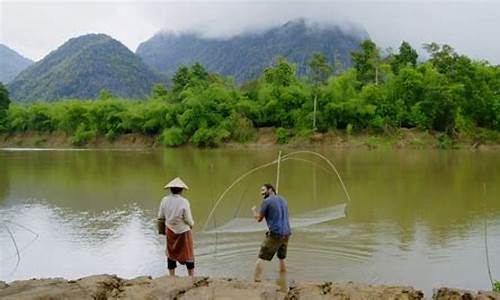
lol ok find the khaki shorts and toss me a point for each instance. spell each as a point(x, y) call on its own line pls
point(272, 244)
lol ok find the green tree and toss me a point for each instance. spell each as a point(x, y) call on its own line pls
point(366, 62)
point(4, 97)
point(449, 92)
point(443, 57)
point(159, 92)
point(283, 100)
point(282, 74)
point(320, 70)
point(437, 106)
point(181, 79)
point(403, 90)
point(105, 94)
point(4, 105)
point(199, 72)
point(172, 137)
point(191, 77)
point(280, 94)
point(407, 57)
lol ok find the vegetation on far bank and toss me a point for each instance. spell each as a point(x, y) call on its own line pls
point(450, 95)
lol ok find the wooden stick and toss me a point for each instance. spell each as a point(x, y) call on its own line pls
point(486, 237)
point(278, 172)
point(15, 245)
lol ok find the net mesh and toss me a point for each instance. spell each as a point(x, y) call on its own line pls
point(242, 225)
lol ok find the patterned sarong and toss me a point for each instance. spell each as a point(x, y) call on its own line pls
point(180, 246)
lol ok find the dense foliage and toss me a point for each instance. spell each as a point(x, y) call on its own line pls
point(4, 106)
point(83, 66)
point(245, 56)
point(449, 93)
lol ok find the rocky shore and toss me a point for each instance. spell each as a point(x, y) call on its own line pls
point(113, 287)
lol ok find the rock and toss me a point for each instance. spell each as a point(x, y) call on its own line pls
point(330, 290)
point(3, 285)
point(230, 289)
point(44, 289)
point(101, 286)
point(457, 294)
point(166, 287)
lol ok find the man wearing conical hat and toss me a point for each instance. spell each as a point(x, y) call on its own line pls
point(176, 212)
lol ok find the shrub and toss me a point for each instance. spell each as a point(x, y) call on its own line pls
point(282, 136)
point(444, 142)
point(349, 129)
point(72, 115)
point(209, 137)
point(40, 119)
point(17, 118)
point(242, 129)
point(111, 135)
point(172, 137)
point(82, 136)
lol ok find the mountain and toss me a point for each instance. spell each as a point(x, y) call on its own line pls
point(81, 68)
point(245, 56)
point(11, 63)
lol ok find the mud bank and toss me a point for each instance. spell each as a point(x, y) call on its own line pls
point(113, 287)
point(263, 138)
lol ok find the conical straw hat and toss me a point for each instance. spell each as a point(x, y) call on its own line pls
point(178, 183)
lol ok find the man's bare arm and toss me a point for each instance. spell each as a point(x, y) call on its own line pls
point(257, 215)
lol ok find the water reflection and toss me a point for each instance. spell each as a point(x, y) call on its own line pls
point(4, 181)
point(416, 217)
point(74, 244)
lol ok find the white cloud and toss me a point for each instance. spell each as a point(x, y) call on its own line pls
point(34, 28)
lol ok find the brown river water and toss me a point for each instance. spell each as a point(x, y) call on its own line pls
point(416, 217)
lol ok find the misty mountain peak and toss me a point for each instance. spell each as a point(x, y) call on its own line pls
point(246, 55)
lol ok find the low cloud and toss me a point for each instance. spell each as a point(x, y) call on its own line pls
point(35, 28)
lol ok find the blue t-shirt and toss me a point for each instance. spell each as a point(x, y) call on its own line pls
point(275, 210)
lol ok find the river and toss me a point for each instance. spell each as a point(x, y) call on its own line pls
point(416, 217)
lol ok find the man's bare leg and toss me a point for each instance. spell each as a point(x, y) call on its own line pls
point(259, 269)
point(171, 272)
point(191, 272)
point(282, 265)
point(282, 282)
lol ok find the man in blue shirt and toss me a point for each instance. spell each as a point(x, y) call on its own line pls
point(274, 209)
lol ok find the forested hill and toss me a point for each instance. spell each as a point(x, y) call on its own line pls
point(81, 68)
point(245, 56)
point(11, 63)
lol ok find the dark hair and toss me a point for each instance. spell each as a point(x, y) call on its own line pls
point(175, 190)
point(269, 186)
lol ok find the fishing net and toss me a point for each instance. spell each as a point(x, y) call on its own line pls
point(309, 181)
point(318, 216)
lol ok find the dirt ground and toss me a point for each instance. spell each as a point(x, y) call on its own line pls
point(113, 287)
point(264, 138)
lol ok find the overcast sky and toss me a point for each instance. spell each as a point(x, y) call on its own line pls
point(34, 28)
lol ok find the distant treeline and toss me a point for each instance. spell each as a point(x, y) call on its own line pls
point(449, 93)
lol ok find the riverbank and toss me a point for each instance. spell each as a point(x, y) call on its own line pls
point(113, 287)
point(267, 138)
